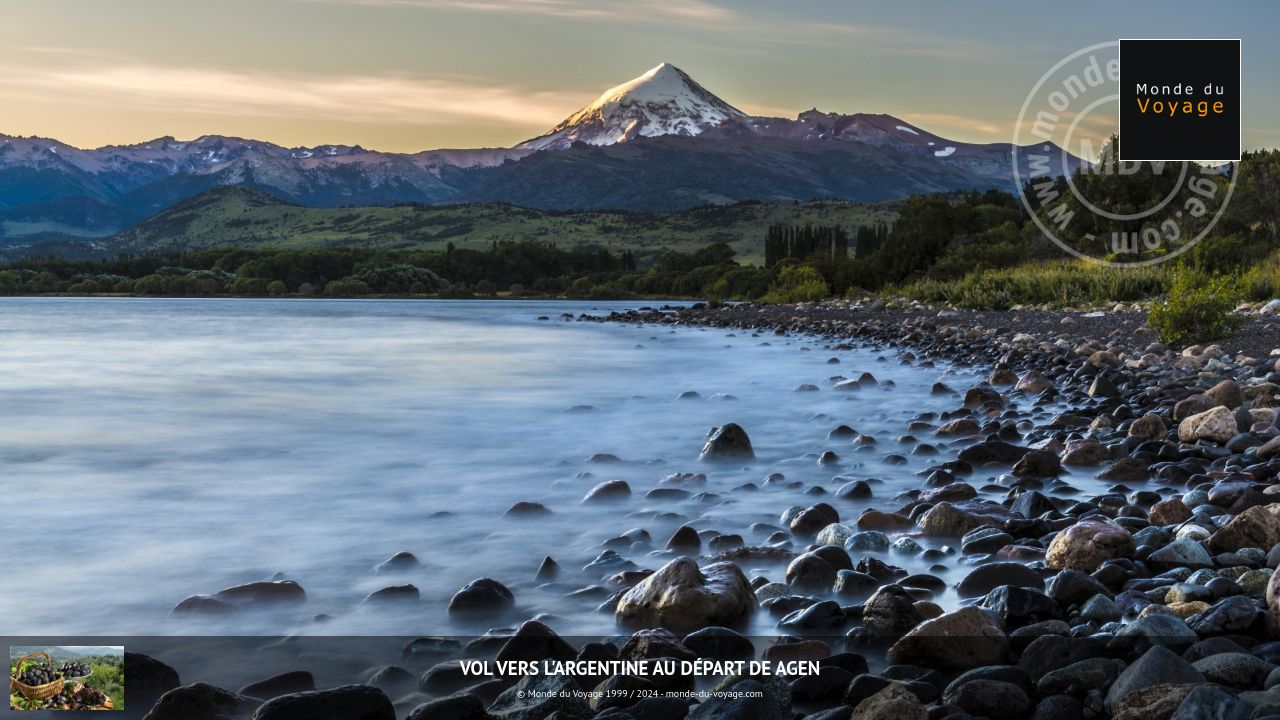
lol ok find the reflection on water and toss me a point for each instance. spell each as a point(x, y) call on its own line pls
point(156, 449)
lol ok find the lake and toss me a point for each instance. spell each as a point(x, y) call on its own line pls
point(154, 449)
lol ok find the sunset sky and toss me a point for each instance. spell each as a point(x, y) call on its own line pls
point(407, 75)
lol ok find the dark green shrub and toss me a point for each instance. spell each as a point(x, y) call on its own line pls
point(1197, 308)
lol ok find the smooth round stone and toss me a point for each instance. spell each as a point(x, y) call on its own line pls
point(906, 546)
point(867, 541)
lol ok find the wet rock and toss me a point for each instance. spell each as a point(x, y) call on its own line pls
point(1085, 545)
point(810, 573)
point(1059, 707)
point(685, 539)
point(890, 612)
point(1235, 669)
point(1207, 702)
point(682, 597)
point(960, 426)
point(1169, 512)
point(879, 520)
point(812, 519)
point(1100, 609)
point(1038, 464)
point(825, 688)
point(867, 541)
point(825, 615)
point(1255, 527)
point(1148, 427)
point(1150, 703)
point(1018, 606)
point(283, 684)
point(400, 562)
point(1072, 587)
point(1047, 653)
point(1226, 393)
point(947, 520)
point(854, 585)
point(534, 641)
point(985, 578)
point(958, 640)
point(992, 452)
point(1228, 615)
point(352, 702)
point(548, 570)
point(527, 509)
point(1217, 425)
point(1181, 553)
point(834, 534)
point(894, 702)
point(197, 702)
point(1080, 677)
point(148, 679)
point(255, 594)
point(484, 596)
point(1085, 452)
point(1157, 666)
point(979, 395)
point(727, 442)
point(1033, 383)
point(458, 707)
point(995, 699)
point(394, 593)
point(539, 696)
point(608, 491)
point(719, 643)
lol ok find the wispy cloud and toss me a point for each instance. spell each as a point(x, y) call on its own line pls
point(935, 122)
point(398, 98)
point(626, 10)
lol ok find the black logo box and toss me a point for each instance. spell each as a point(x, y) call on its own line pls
point(1186, 64)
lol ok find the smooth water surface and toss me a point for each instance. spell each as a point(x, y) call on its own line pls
point(156, 449)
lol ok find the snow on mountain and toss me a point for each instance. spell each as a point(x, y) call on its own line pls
point(663, 101)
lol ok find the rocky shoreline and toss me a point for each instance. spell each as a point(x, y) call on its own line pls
point(1152, 599)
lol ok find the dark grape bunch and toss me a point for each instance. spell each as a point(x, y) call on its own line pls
point(38, 675)
point(84, 698)
point(72, 669)
point(88, 697)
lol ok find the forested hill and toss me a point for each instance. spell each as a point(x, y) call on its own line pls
point(248, 218)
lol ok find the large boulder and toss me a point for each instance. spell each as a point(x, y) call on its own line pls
point(1085, 545)
point(197, 702)
point(684, 598)
point(539, 696)
point(484, 596)
point(353, 702)
point(894, 702)
point(1157, 666)
point(960, 640)
point(727, 442)
point(1216, 425)
point(948, 520)
point(1256, 527)
point(148, 679)
point(249, 595)
point(891, 611)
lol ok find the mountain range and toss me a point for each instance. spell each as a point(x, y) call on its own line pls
point(658, 143)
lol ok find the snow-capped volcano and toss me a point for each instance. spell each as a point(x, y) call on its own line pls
point(663, 101)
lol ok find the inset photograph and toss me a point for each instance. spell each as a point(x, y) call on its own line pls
point(66, 677)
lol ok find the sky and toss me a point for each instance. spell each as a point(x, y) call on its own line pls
point(410, 75)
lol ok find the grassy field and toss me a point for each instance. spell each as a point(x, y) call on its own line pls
point(246, 218)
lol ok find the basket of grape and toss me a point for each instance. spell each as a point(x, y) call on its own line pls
point(36, 682)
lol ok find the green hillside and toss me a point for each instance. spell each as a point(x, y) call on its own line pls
point(242, 217)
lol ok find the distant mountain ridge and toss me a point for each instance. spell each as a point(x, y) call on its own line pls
point(661, 142)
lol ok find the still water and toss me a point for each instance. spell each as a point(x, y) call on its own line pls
point(155, 449)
